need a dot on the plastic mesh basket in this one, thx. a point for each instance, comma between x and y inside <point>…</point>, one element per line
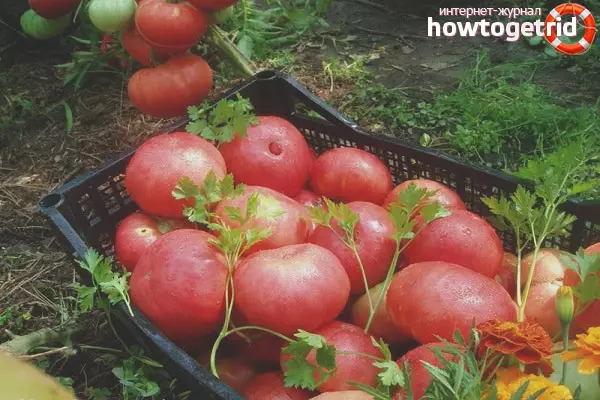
<point>86,211</point>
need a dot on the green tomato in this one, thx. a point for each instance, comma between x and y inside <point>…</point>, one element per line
<point>111,16</point>
<point>590,389</point>
<point>41,28</point>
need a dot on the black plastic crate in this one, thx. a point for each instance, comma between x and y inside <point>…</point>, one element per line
<point>86,211</point>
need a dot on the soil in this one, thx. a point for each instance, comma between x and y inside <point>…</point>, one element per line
<point>37,153</point>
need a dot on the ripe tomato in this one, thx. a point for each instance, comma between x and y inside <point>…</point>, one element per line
<point>591,314</point>
<point>270,386</point>
<point>274,154</point>
<point>136,233</point>
<point>463,238</point>
<point>53,9</point>
<point>345,395</point>
<point>170,24</point>
<point>355,367</point>
<point>139,49</point>
<point>507,276</point>
<point>420,379</point>
<point>310,199</point>
<point>444,195</point>
<point>213,5</point>
<point>179,284</point>
<point>288,228</point>
<point>167,90</point>
<point>294,287</point>
<point>159,164</point>
<point>349,174</point>
<point>374,243</point>
<point>382,326</point>
<point>436,298</point>
<point>234,372</point>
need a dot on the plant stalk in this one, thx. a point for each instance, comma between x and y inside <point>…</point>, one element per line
<point>565,335</point>
<point>219,38</point>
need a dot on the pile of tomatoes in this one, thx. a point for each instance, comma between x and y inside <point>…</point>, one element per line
<point>304,276</point>
<point>157,34</point>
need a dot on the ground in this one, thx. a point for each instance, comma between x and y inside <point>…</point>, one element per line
<point>50,133</point>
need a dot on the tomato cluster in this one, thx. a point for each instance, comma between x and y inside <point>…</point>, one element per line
<point>304,276</point>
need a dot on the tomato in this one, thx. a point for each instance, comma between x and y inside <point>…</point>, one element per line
<point>348,174</point>
<point>167,90</point>
<point>548,276</point>
<point>345,395</point>
<point>270,386</point>
<point>382,326</point>
<point>158,165</point>
<point>436,298</point>
<point>136,233</point>
<point>53,9</point>
<point>507,276</point>
<point>263,350</point>
<point>419,377</point>
<point>374,243</point>
<point>274,154</point>
<point>294,287</point>
<point>288,228</point>
<point>212,5</point>
<point>110,16</point>
<point>310,199</point>
<point>179,285</point>
<point>357,367</point>
<point>463,238</point>
<point>41,28</point>
<point>170,24</point>
<point>444,195</point>
<point>140,50</point>
<point>591,314</point>
<point>234,372</point>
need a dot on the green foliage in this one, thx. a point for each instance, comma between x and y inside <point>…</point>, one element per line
<point>299,372</point>
<point>587,267</point>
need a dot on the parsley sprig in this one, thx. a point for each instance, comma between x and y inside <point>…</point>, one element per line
<point>104,280</point>
<point>534,215</point>
<point>411,202</point>
<point>222,123</point>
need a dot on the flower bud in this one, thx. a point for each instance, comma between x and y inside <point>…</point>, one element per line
<point>565,306</point>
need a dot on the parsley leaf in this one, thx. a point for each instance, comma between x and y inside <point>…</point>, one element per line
<point>299,372</point>
<point>221,123</point>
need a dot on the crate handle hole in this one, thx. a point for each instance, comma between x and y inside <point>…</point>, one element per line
<point>266,75</point>
<point>52,200</point>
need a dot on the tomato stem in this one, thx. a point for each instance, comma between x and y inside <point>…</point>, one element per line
<point>352,245</point>
<point>219,39</point>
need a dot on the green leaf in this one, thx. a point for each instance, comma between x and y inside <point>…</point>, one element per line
<point>85,297</point>
<point>432,211</point>
<point>390,375</point>
<point>298,371</point>
<point>320,216</point>
<point>518,395</point>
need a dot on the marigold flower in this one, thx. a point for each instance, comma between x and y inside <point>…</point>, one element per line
<point>565,306</point>
<point>528,342</point>
<point>587,350</point>
<point>511,379</point>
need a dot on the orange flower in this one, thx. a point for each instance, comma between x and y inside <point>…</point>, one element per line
<point>511,379</point>
<point>528,342</point>
<point>588,350</point>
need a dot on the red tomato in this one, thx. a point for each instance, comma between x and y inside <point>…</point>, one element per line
<point>137,232</point>
<point>158,165</point>
<point>375,246</point>
<point>419,377</point>
<point>309,199</point>
<point>53,9</point>
<point>264,350</point>
<point>294,287</point>
<point>444,195</point>
<point>170,24</point>
<point>234,372</point>
<point>349,174</point>
<point>507,276</point>
<point>591,314</point>
<point>274,154</point>
<point>355,367</point>
<point>213,5</point>
<point>548,276</point>
<point>289,228</point>
<point>344,395</point>
<point>382,326</point>
<point>436,298</point>
<point>463,238</point>
<point>167,90</point>
<point>179,284</point>
<point>139,49</point>
<point>270,386</point>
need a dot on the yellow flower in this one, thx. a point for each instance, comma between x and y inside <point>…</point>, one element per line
<point>511,379</point>
<point>587,350</point>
